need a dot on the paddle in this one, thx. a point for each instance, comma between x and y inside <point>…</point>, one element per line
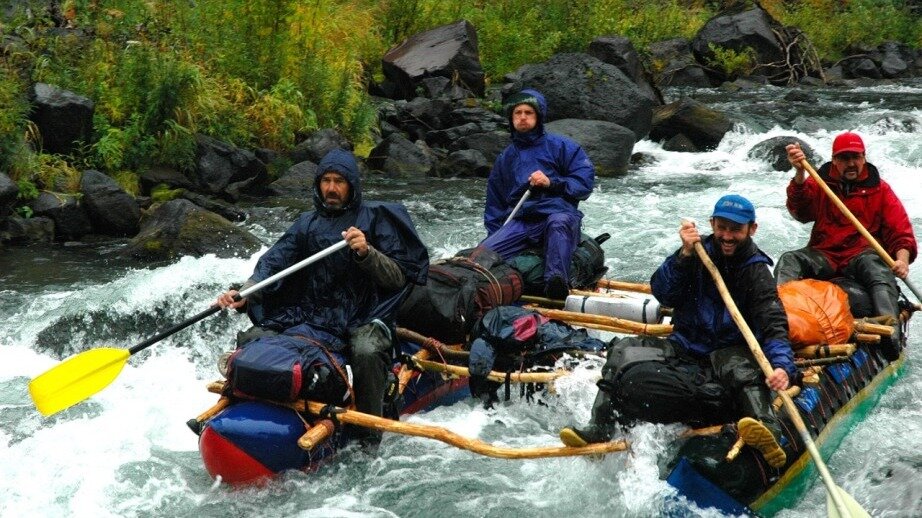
<point>857,224</point>
<point>517,206</point>
<point>842,504</point>
<point>86,373</point>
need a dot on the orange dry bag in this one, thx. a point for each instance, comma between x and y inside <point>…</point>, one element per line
<point>818,312</point>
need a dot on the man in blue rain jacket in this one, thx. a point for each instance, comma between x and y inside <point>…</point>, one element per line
<point>352,294</point>
<point>703,373</point>
<point>559,174</point>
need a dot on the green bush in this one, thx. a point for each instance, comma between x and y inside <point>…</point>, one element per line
<point>731,62</point>
<point>266,72</point>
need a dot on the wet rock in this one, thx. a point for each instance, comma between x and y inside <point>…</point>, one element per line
<point>465,163</point>
<point>71,221</point>
<point>32,230</point>
<point>318,144</point>
<point>619,51</point>
<point>297,182</point>
<point>165,175</point>
<point>773,151</point>
<point>750,30</point>
<point>112,211</point>
<point>63,118</point>
<point>672,63</point>
<point>219,165</point>
<point>488,143</point>
<point>397,156</point>
<point>449,51</point>
<point>179,227</point>
<point>703,126</point>
<point>680,143</point>
<point>607,144</point>
<point>579,86</point>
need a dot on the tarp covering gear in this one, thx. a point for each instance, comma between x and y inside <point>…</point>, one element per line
<point>818,312</point>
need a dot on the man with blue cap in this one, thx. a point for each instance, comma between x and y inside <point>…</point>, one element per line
<point>703,373</point>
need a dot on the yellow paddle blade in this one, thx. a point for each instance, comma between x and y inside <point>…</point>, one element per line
<point>76,379</point>
<point>854,508</point>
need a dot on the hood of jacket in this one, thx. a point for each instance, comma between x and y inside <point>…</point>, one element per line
<point>534,99</point>
<point>342,162</point>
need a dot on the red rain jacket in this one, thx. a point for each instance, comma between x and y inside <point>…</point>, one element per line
<point>870,199</point>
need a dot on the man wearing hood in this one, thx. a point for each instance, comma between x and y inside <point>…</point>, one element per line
<point>559,175</point>
<point>836,249</point>
<point>703,373</point>
<point>353,294</point>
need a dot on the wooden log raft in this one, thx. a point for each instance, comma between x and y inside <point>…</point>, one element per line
<point>442,434</point>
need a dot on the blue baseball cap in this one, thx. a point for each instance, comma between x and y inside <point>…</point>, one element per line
<point>735,208</point>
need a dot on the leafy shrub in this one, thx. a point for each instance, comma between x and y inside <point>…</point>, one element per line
<point>731,62</point>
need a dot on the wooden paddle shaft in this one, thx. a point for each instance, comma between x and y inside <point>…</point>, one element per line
<point>626,286</point>
<point>766,367</point>
<point>857,224</point>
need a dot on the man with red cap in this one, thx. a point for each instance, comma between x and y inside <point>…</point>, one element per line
<point>836,249</point>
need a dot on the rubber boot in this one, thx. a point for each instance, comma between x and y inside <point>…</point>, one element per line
<point>761,429</point>
<point>600,427</point>
<point>885,303</point>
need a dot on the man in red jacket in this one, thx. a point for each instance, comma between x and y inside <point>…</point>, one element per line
<point>836,249</point>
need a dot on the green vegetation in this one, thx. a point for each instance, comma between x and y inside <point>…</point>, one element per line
<point>834,25</point>
<point>263,73</point>
<point>730,62</point>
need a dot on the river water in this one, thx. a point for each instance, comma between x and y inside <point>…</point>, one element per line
<point>127,451</point>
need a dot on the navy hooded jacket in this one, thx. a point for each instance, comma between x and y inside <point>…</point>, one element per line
<point>564,162</point>
<point>334,294</point>
<point>700,319</point>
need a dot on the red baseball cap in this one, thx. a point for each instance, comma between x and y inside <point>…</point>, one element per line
<point>846,142</point>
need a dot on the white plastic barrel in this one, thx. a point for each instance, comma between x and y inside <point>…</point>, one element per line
<point>637,307</point>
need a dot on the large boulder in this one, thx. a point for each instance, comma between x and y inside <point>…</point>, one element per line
<point>112,211</point>
<point>419,116</point>
<point>226,170</point>
<point>160,174</point>
<point>579,86</point>
<point>672,63</point>
<point>27,230</point>
<point>489,143</point>
<point>398,157</point>
<point>318,144</point>
<point>619,51</point>
<point>748,31</point>
<point>70,219</point>
<point>179,227</point>
<point>297,182</point>
<point>449,51</point>
<point>465,163</point>
<point>703,126</point>
<point>608,145</point>
<point>773,151</point>
<point>63,118</point>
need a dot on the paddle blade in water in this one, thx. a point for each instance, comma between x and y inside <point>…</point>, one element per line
<point>854,508</point>
<point>76,379</point>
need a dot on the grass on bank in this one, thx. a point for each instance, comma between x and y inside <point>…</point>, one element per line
<point>263,73</point>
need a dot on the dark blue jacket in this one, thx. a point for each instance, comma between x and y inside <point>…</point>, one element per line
<point>700,320</point>
<point>561,159</point>
<point>334,294</point>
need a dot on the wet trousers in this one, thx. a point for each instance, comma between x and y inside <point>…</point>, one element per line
<point>558,234</point>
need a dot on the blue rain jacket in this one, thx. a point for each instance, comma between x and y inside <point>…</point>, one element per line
<point>561,159</point>
<point>701,321</point>
<point>334,294</point>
